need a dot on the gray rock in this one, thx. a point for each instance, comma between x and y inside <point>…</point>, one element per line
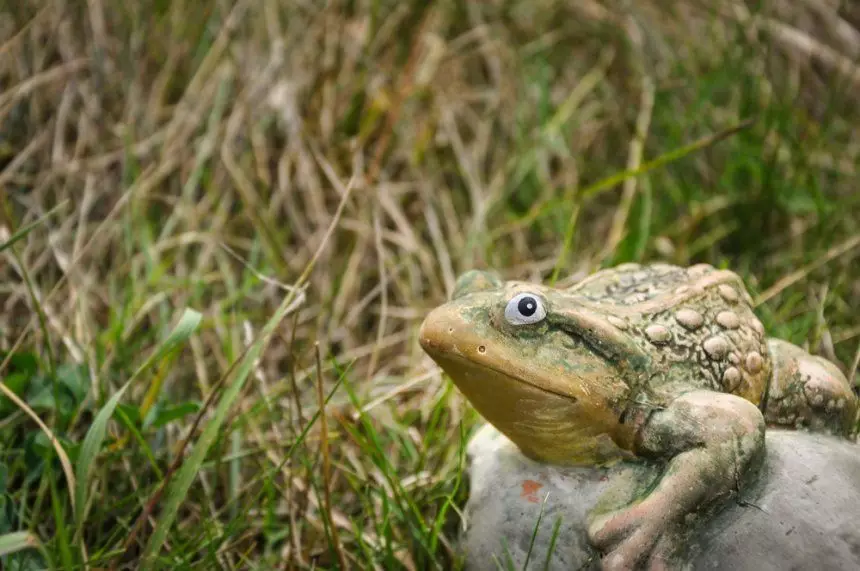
<point>801,512</point>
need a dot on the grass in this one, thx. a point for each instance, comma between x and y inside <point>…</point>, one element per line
<point>173,157</point>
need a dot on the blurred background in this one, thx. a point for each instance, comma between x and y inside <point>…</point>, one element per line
<point>158,157</point>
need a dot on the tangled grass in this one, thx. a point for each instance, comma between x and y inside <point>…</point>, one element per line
<point>307,179</point>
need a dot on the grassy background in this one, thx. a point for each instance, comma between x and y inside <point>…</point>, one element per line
<point>194,155</point>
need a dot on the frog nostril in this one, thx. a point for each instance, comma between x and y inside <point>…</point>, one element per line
<point>482,349</point>
<point>450,330</point>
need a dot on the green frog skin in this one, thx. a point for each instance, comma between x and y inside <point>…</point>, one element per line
<point>658,363</point>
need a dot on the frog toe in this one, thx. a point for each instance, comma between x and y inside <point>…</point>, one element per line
<point>646,548</point>
<point>632,538</point>
<point>809,391</point>
<point>829,403</point>
<point>663,552</point>
<point>827,394</point>
<point>608,529</point>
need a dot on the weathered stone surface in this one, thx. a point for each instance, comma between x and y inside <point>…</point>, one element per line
<point>801,512</point>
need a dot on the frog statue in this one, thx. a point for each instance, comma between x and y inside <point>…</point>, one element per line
<point>653,363</point>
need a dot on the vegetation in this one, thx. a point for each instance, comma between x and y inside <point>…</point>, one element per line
<point>217,215</point>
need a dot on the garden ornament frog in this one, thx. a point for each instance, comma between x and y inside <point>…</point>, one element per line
<point>651,363</point>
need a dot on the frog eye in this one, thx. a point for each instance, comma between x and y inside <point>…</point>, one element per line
<point>525,308</point>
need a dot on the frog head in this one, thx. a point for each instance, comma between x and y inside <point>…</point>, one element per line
<point>548,372</point>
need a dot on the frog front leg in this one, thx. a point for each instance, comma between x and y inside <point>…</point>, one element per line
<point>710,440</point>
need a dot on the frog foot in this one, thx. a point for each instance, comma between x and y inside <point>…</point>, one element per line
<point>637,537</point>
<point>810,391</point>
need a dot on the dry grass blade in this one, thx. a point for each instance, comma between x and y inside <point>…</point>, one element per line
<point>634,160</point>
<point>21,233</point>
<point>383,284</point>
<point>796,276</point>
<point>403,89</point>
<point>6,46</point>
<point>61,72</point>
<point>803,44</point>
<point>81,252</point>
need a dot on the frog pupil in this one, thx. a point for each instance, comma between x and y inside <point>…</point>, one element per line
<point>527,306</point>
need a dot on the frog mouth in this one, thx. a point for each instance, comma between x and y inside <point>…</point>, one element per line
<point>456,365</point>
<point>501,397</point>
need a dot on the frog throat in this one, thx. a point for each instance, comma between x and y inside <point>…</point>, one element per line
<point>545,425</point>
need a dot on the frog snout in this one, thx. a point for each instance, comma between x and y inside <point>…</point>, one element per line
<point>425,335</point>
<point>432,335</point>
<point>444,331</point>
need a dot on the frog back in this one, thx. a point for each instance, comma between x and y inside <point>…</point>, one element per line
<point>696,325</point>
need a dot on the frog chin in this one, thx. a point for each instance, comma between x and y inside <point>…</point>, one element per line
<point>545,426</point>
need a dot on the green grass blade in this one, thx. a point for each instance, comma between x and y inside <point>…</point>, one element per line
<point>534,534</point>
<point>22,232</point>
<point>619,177</point>
<point>188,323</point>
<point>179,486</point>
<point>664,159</point>
<point>61,537</point>
<point>451,497</point>
<point>19,541</point>
<point>555,530</point>
<point>89,449</point>
<point>506,552</point>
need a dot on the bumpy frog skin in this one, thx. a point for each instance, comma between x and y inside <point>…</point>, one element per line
<point>636,362</point>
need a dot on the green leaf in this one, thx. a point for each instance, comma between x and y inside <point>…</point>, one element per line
<point>20,371</point>
<point>95,436</point>
<point>75,379</point>
<point>26,561</point>
<point>797,203</point>
<point>24,363</point>
<point>18,541</point>
<point>48,398</point>
<point>18,384</point>
<point>62,392</point>
<point>42,399</point>
<point>38,448</point>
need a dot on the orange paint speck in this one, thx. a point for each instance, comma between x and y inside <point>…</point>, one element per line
<point>530,488</point>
